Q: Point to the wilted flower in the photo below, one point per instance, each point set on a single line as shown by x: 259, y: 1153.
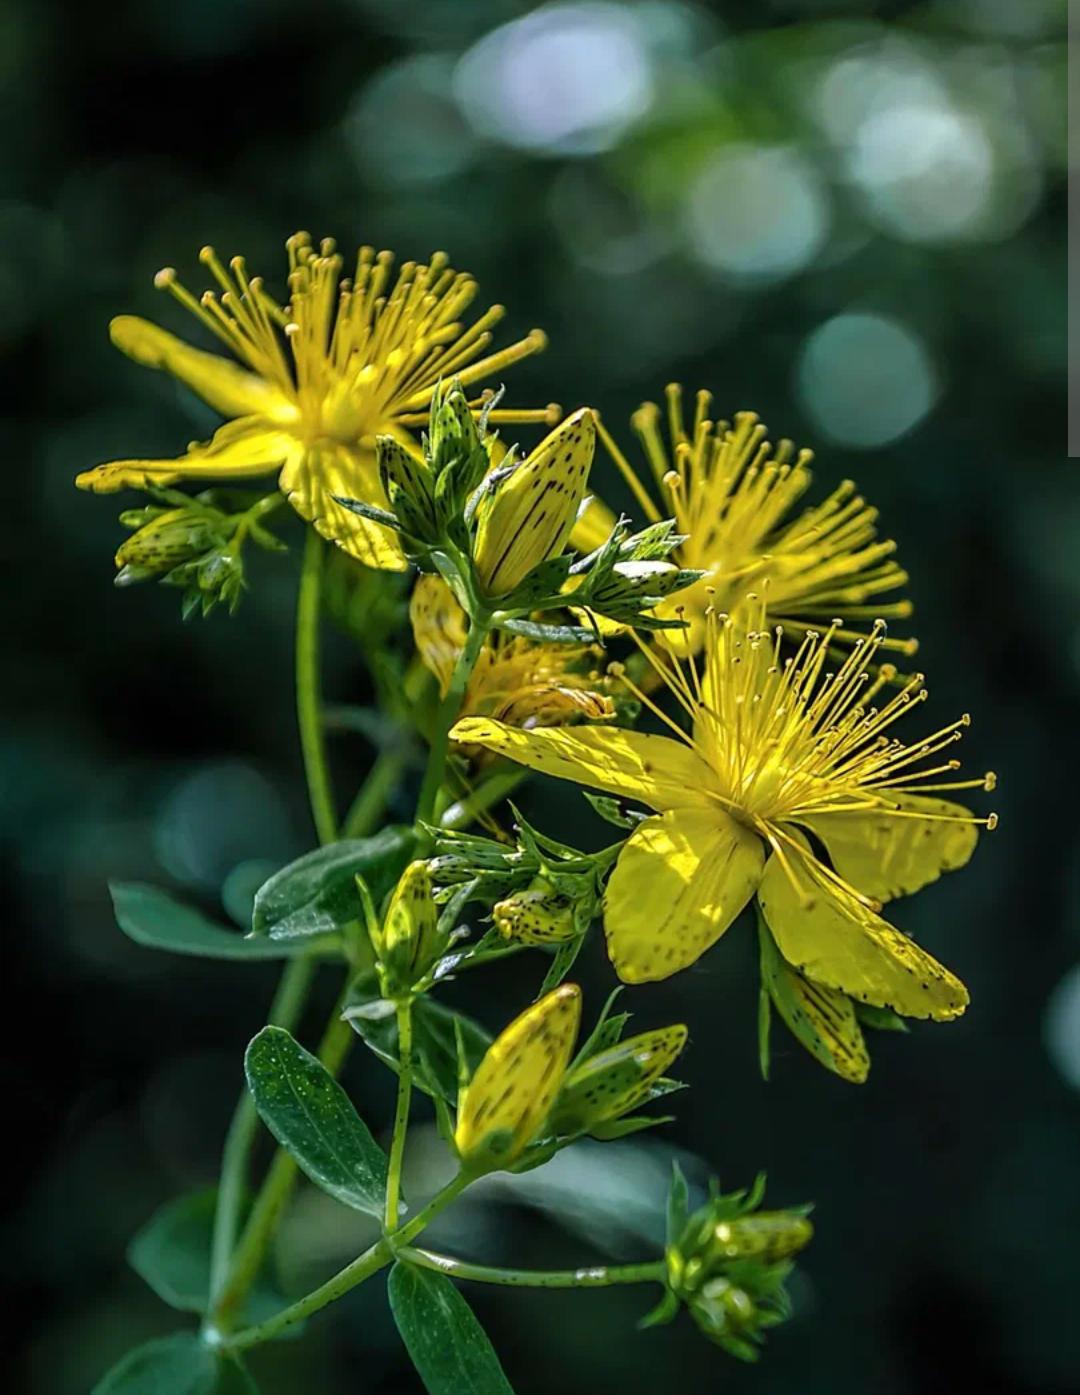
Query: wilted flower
x: 317, y: 379
x: 778, y: 749
x: 506, y: 1103
x: 520, y: 681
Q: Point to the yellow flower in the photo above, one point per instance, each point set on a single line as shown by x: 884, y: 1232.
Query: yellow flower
x: 317, y: 378
x: 528, y: 517
x: 778, y: 748
x: 517, y: 680
x: 504, y: 1106
x: 734, y: 494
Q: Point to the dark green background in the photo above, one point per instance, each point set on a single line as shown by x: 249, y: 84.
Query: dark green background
x: 948, y: 1200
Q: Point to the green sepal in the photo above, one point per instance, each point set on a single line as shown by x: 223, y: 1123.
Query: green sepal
x: 153, y: 918
x: 613, y: 810
x: 448, y: 1347
x: 561, y: 964
x: 678, y: 1204
x: 314, y: 1120
x: 439, y: 1032
x: 317, y: 893
x: 881, y: 1019
x: 665, y: 1311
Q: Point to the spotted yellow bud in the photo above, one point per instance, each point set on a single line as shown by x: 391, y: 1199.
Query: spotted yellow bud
x: 408, y: 942
x: 538, y: 915
x: 504, y: 1106
x: 164, y: 542
x: 617, y: 1080
x: 529, y: 515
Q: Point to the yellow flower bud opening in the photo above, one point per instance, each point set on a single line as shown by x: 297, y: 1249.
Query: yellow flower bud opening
x: 538, y: 915
x: 508, y: 1099
x: 530, y: 514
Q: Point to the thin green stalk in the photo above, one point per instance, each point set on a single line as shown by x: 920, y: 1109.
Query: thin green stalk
x: 285, y: 1009
x: 248, y: 1255
x: 401, y: 1113
x: 602, y: 1276
x: 361, y: 1268
x: 308, y: 696
x: 464, y: 811
x: 370, y: 803
x: 445, y: 718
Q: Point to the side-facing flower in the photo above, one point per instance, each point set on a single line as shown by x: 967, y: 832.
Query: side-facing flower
x: 778, y: 749
x: 317, y: 378
x: 734, y: 497
x: 516, y: 680
x: 507, y: 1101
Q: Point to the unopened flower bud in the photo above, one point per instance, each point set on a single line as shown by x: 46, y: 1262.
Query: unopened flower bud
x: 538, y: 915
x: 615, y: 1081
x: 529, y: 514
x: 407, y: 483
x: 408, y: 941
x: 174, y: 536
x: 504, y: 1106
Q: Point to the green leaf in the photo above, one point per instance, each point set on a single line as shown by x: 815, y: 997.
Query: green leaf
x: 171, y: 1253
x: 176, y: 1365
x: 448, y: 1346
x: 313, y: 1119
x: 613, y: 810
x: 434, y: 1039
x: 678, y: 1205
x: 561, y: 965
x: 151, y: 917
x: 317, y: 894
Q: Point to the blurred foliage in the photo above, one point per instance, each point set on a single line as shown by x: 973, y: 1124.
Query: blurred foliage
x: 848, y: 217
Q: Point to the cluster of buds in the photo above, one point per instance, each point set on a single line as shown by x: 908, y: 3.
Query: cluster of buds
x: 728, y: 1263
x: 630, y: 574
x: 410, y: 938
x: 528, y: 1098
x: 540, y: 891
x: 498, y: 530
x: 192, y: 543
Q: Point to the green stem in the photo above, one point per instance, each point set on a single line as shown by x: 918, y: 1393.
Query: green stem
x: 274, y: 1194
x: 445, y: 718
x: 308, y: 697
x: 599, y: 1277
x: 401, y: 1113
x: 361, y: 1268
x: 370, y: 803
x: 284, y: 1011
x: 464, y: 811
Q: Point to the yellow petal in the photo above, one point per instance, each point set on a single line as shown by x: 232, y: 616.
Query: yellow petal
x: 659, y: 771
x: 325, y: 469
x: 680, y: 881
x: 516, y: 1083
x: 229, y: 389
x: 529, y: 516
x: 822, y: 1019
x: 241, y: 449
x: 593, y: 527
x: 885, y: 856
x: 438, y: 626
x: 832, y: 938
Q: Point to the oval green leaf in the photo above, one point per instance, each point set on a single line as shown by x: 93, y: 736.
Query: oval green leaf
x: 176, y: 1365
x: 317, y: 895
x: 152, y: 917
x: 448, y: 1347
x: 171, y: 1253
x: 313, y: 1119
